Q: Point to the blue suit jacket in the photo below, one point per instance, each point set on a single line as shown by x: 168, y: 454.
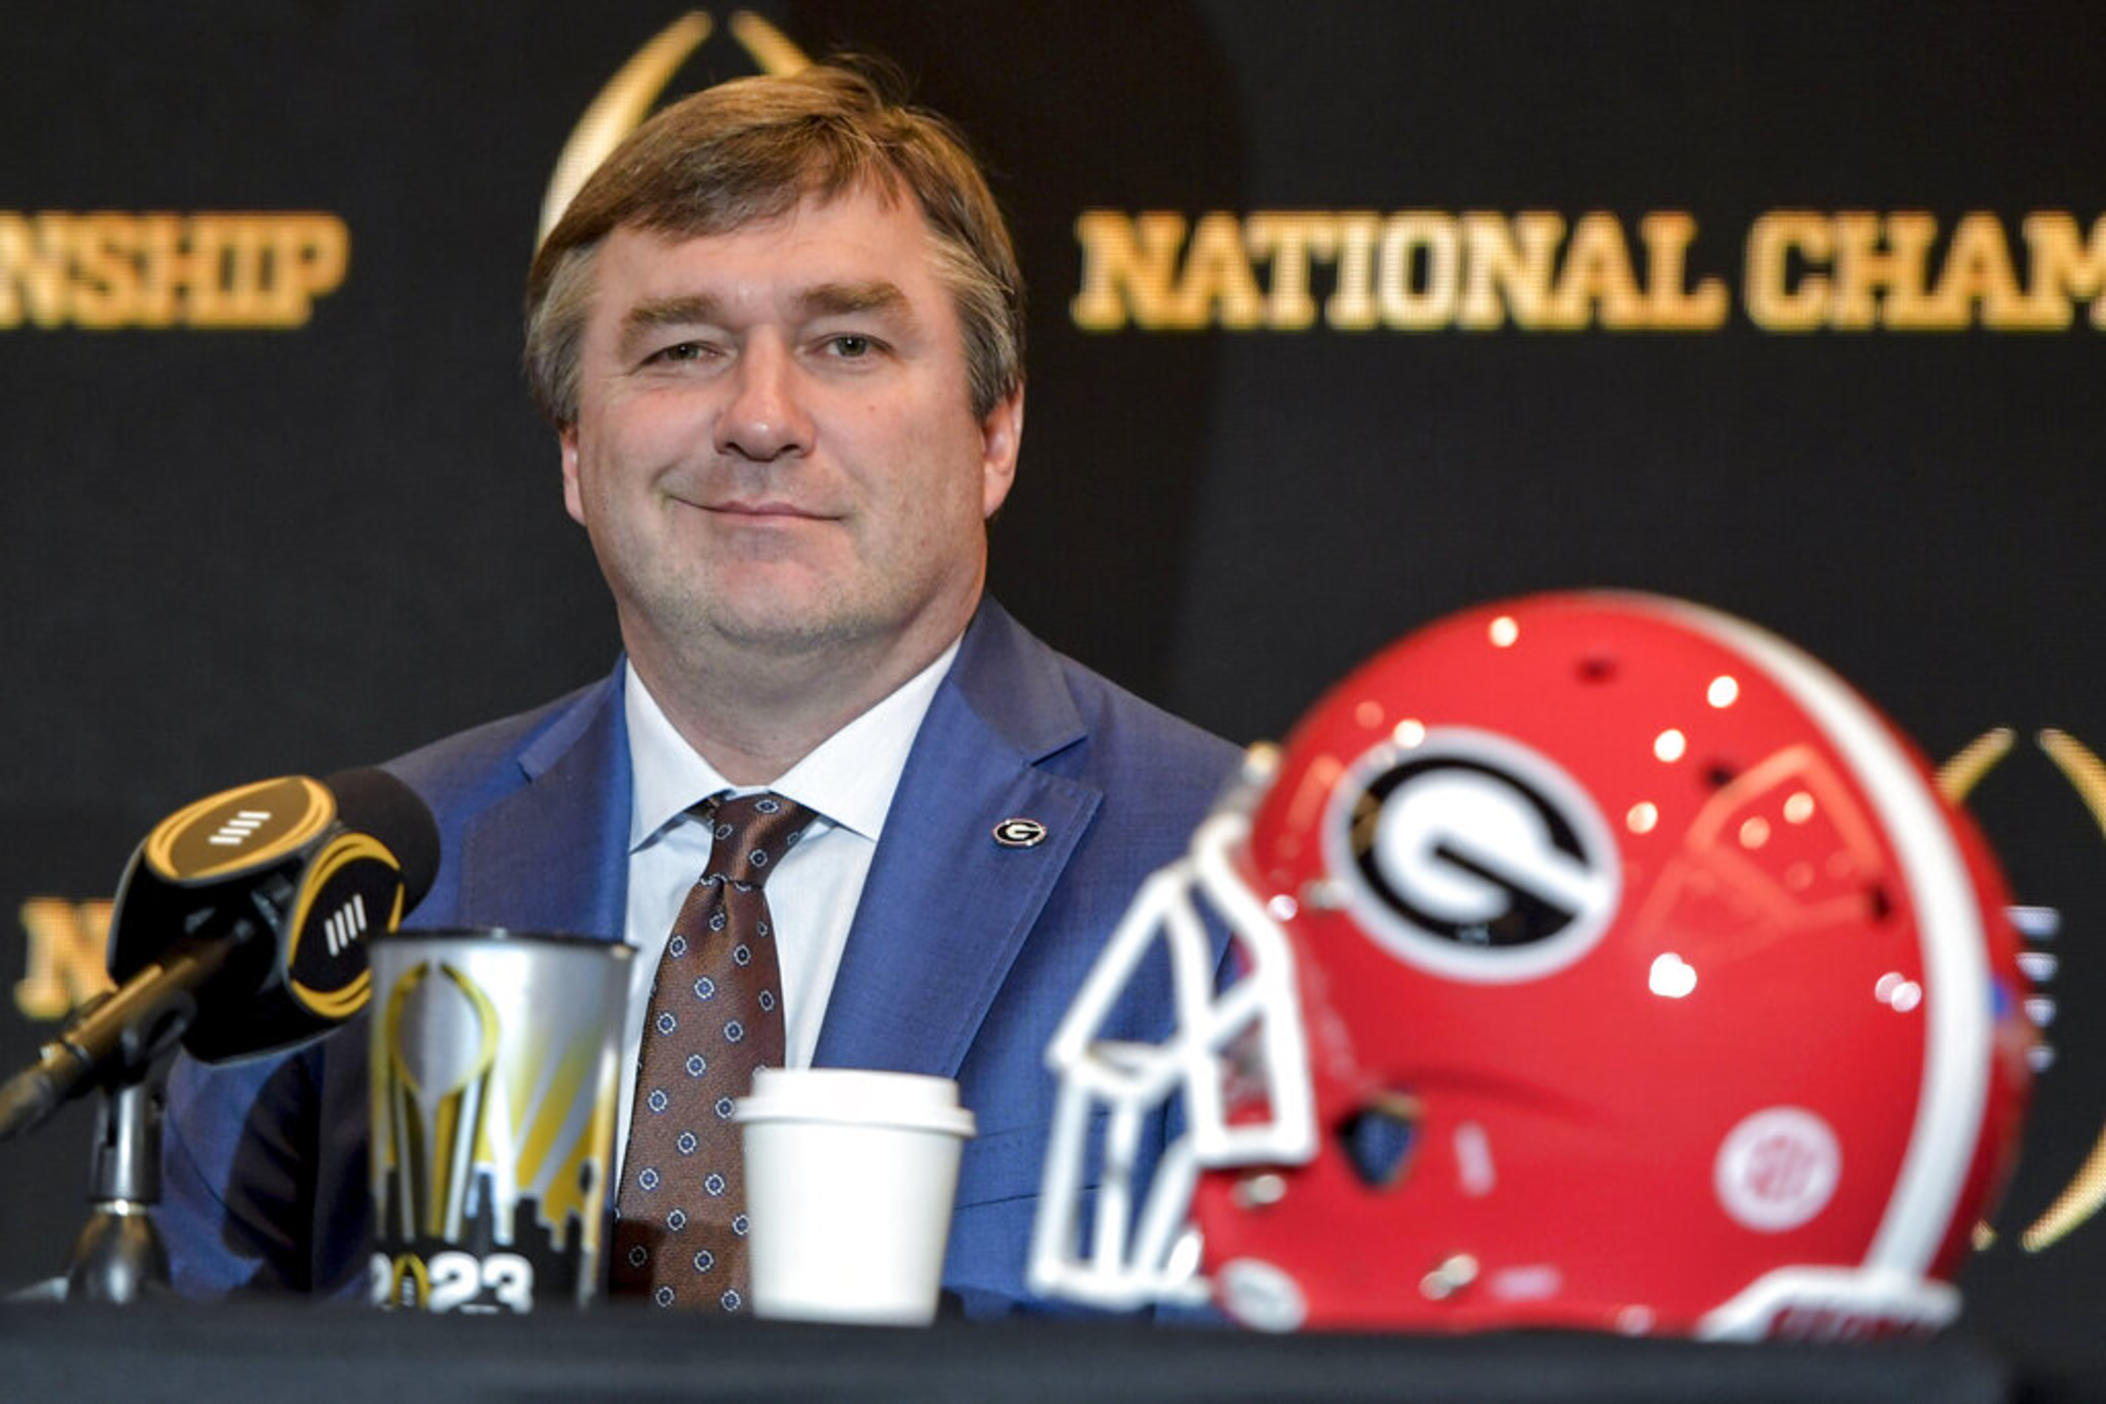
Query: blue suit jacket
x: 962, y: 957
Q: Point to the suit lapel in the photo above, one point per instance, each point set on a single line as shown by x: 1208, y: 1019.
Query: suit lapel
x: 946, y: 908
x: 553, y: 855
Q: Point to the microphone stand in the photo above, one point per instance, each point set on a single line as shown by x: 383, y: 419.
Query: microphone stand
x: 122, y: 1042
x: 119, y: 1257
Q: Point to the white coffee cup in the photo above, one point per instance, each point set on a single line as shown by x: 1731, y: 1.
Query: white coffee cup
x: 849, y: 1180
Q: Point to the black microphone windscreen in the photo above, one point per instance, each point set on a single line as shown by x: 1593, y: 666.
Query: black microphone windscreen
x: 374, y: 802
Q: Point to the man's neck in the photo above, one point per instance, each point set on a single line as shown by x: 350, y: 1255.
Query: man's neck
x: 754, y: 713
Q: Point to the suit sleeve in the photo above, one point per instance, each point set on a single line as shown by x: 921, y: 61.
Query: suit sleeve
x: 237, y: 1176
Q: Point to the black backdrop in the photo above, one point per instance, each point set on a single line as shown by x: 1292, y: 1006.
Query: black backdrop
x: 237, y: 551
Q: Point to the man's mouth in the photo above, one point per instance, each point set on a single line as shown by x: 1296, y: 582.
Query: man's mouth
x: 760, y: 509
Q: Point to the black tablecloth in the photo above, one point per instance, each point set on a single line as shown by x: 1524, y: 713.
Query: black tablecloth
x: 250, y: 1353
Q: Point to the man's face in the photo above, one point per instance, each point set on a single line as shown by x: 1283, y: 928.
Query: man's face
x: 775, y: 446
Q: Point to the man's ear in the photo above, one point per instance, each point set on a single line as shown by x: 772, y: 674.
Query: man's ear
x: 573, y: 500
x: 1001, y: 437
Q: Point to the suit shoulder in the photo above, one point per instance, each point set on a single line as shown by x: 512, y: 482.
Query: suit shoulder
x: 1136, y: 745
x: 1102, y: 701
x: 470, y: 766
x: 1074, y: 720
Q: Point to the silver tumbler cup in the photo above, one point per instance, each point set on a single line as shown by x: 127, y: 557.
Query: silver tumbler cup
x: 495, y: 1072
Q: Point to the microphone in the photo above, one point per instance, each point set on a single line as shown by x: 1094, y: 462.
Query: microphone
x: 240, y: 927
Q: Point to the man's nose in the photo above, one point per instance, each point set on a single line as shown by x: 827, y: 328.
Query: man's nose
x: 765, y: 418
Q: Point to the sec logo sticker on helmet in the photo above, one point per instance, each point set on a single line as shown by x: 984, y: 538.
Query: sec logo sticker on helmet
x: 1602, y: 962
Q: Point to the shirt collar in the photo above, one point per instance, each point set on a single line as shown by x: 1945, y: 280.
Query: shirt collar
x: 849, y: 777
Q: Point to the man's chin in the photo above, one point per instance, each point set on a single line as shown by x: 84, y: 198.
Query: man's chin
x: 787, y: 638
x: 785, y: 626
x: 791, y: 615
x: 772, y: 607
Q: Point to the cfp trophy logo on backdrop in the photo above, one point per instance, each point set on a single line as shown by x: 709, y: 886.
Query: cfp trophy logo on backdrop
x: 628, y: 97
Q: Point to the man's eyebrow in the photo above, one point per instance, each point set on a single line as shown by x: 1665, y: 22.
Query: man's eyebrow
x: 820, y: 300
x: 688, y: 310
x: 839, y: 299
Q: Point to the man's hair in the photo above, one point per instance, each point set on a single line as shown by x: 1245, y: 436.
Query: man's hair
x: 751, y: 150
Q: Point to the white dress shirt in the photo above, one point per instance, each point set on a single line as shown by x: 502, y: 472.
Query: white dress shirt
x: 848, y: 779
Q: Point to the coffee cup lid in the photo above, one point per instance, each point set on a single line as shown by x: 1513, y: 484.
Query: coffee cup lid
x: 856, y: 1096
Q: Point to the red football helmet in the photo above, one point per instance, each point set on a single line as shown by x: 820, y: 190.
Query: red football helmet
x: 1600, y: 961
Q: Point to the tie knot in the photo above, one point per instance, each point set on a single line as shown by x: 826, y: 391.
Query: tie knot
x: 750, y: 833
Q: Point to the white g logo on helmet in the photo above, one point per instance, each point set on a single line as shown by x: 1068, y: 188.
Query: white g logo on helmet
x: 1472, y: 856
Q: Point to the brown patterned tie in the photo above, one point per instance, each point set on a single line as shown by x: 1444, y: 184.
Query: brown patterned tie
x: 715, y: 1016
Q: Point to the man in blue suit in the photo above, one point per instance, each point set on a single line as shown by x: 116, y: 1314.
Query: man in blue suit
x: 779, y: 334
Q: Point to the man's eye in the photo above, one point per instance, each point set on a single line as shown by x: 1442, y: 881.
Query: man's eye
x: 680, y: 351
x: 850, y: 346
